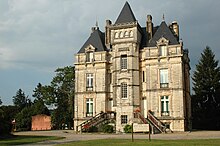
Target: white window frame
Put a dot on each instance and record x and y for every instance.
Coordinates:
(89, 81)
(124, 90)
(89, 107)
(124, 61)
(163, 50)
(89, 56)
(165, 105)
(164, 81)
(124, 119)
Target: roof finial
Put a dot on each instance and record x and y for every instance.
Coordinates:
(96, 24)
(163, 17)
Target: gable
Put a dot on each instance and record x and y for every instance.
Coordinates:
(97, 40)
(163, 32)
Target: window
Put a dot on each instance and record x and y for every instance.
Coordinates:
(131, 33)
(124, 90)
(110, 78)
(164, 105)
(89, 82)
(126, 34)
(116, 35)
(124, 119)
(123, 61)
(143, 76)
(121, 35)
(89, 56)
(89, 107)
(164, 78)
(163, 50)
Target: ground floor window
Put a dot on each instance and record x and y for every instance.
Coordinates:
(124, 119)
(164, 105)
(89, 107)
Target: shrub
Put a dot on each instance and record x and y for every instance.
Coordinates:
(107, 128)
(127, 128)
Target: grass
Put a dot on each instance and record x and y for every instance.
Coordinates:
(124, 142)
(18, 140)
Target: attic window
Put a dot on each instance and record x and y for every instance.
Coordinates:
(163, 50)
(89, 56)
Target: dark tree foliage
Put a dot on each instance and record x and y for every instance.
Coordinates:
(21, 100)
(206, 85)
(7, 115)
(23, 119)
(63, 85)
(0, 101)
(60, 94)
(39, 106)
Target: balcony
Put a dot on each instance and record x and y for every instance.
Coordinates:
(89, 114)
(164, 85)
(165, 113)
(89, 88)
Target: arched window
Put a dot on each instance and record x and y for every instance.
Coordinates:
(116, 35)
(126, 34)
(121, 34)
(131, 33)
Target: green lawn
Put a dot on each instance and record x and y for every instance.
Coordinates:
(124, 142)
(18, 140)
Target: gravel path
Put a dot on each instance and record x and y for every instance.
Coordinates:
(72, 136)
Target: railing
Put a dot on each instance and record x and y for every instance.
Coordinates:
(152, 120)
(157, 123)
(164, 85)
(97, 119)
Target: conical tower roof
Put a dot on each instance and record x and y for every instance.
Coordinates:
(126, 15)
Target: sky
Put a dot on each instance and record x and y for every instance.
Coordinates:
(38, 36)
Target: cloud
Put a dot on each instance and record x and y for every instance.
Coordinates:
(42, 35)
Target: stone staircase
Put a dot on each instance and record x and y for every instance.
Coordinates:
(101, 118)
(153, 121)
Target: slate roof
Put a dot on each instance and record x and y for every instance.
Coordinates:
(97, 40)
(126, 15)
(163, 31)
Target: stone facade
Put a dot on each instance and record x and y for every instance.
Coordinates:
(131, 67)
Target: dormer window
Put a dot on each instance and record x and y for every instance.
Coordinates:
(163, 50)
(89, 56)
(89, 52)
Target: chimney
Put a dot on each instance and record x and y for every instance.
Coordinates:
(108, 34)
(175, 28)
(149, 27)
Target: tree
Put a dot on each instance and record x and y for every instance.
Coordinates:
(23, 119)
(38, 106)
(206, 85)
(63, 84)
(0, 101)
(7, 114)
(21, 100)
(59, 93)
